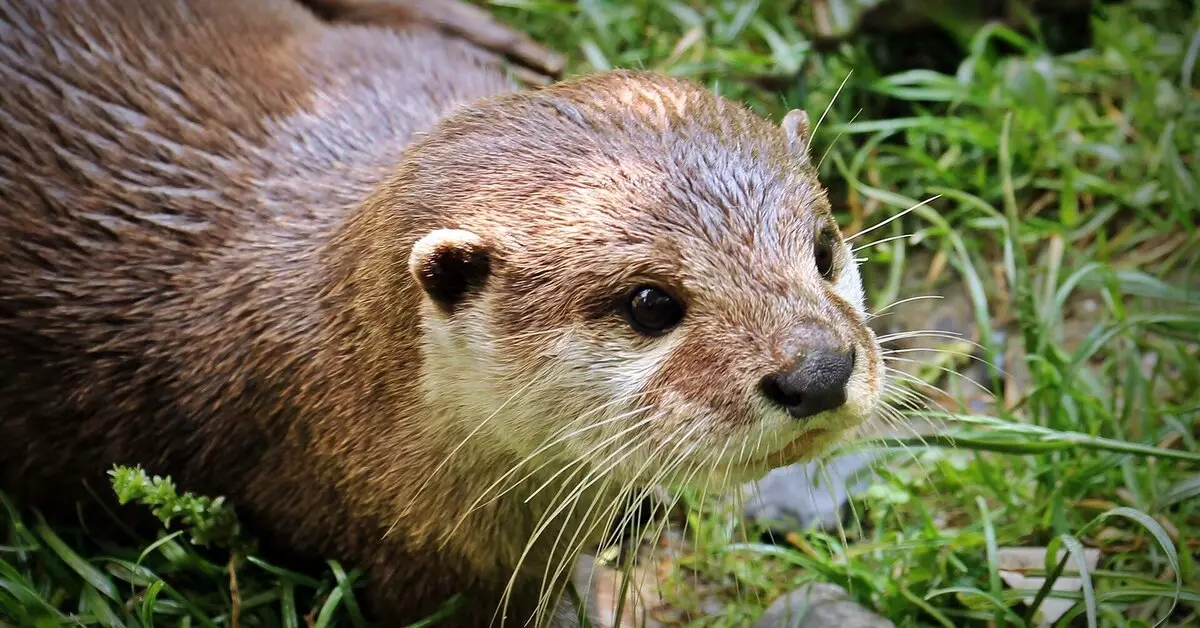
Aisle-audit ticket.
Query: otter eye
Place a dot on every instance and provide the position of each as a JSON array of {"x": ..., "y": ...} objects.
[
  {"x": 651, "y": 311},
  {"x": 823, "y": 253}
]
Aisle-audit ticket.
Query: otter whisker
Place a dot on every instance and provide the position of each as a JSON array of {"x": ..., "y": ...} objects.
[
  {"x": 896, "y": 419},
  {"x": 580, "y": 538},
  {"x": 580, "y": 419},
  {"x": 743, "y": 457},
  {"x": 546, "y": 446},
  {"x": 711, "y": 474},
  {"x": 712, "y": 462},
  {"x": 728, "y": 464},
  {"x": 734, "y": 495},
  {"x": 930, "y": 333},
  {"x": 602, "y": 443},
  {"x": 577, "y": 542},
  {"x": 911, "y": 400},
  {"x": 628, "y": 568},
  {"x": 894, "y": 217},
  {"x": 624, "y": 450},
  {"x": 947, "y": 371},
  {"x": 575, "y": 464},
  {"x": 897, "y": 388},
  {"x": 919, "y": 382},
  {"x": 740, "y": 522},
  {"x": 454, "y": 451},
  {"x": 921, "y": 333},
  {"x": 906, "y": 377},
  {"x": 612, "y": 537},
  {"x": 889, "y": 421},
  {"x": 828, "y": 107},
  {"x": 665, "y": 468},
  {"x": 723, "y": 488},
  {"x": 900, "y": 302},
  {"x": 586, "y": 482},
  {"x": 883, "y": 241},
  {"x": 962, "y": 354},
  {"x": 738, "y": 505},
  {"x": 823, "y": 472},
  {"x": 549, "y": 593},
  {"x": 908, "y": 450},
  {"x": 757, "y": 450},
  {"x": 545, "y": 519},
  {"x": 829, "y": 149},
  {"x": 650, "y": 459},
  {"x": 891, "y": 418},
  {"x": 858, "y": 522},
  {"x": 901, "y": 423}
]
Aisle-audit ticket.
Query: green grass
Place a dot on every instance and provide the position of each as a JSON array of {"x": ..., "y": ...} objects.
[
  {"x": 1067, "y": 207},
  {"x": 1060, "y": 180}
]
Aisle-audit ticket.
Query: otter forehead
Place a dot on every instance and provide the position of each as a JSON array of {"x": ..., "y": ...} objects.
[
  {"x": 610, "y": 136},
  {"x": 695, "y": 214},
  {"x": 641, "y": 174}
]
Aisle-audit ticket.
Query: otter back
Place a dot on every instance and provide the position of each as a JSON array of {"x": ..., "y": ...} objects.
[{"x": 160, "y": 160}]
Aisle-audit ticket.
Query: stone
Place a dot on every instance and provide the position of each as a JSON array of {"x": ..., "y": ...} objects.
[
  {"x": 803, "y": 496},
  {"x": 819, "y": 605}
]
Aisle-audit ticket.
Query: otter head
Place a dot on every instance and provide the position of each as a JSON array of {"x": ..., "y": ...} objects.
[{"x": 627, "y": 270}]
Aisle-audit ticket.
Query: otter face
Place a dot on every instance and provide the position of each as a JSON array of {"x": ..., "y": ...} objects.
[{"x": 643, "y": 276}]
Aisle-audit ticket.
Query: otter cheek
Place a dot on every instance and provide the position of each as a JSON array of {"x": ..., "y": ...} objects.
[
  {"x": 849, "y": 287},
  {"x": 865, "y": 385},
  {"x": 702, "y": 380},
  {"x": 449, "y": 264}
]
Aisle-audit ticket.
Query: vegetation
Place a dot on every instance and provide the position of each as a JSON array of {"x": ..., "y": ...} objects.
[{"x": 1064, "y": 213}]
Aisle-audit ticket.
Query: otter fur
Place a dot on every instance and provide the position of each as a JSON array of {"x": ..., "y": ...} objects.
[{"x": 352, "y": 278}]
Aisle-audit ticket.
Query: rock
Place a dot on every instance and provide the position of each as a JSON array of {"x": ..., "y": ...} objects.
[
  {"x": 601, "y": 586},
  {"x": 1015, "y": 562},
  {"x": 802, "y": 496},
  {"x": 819, "y": 605}
]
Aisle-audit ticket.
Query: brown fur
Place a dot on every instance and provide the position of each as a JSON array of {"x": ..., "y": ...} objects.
[{"x": 208, "y": 213}]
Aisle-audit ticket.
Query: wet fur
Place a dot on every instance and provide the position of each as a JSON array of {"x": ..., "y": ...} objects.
[
  {"x": 209, "y": 209},
  {"x": 173, "y": 175}
]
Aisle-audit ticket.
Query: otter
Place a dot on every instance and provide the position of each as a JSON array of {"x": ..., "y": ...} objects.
[{"x": 397, "y": 309}]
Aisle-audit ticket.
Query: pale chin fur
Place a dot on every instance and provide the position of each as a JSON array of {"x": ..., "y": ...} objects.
[{"x": 466, "y": 365}]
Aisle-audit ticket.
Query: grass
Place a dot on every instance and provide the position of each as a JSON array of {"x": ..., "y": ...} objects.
[{"x": 1066, "y": 218}]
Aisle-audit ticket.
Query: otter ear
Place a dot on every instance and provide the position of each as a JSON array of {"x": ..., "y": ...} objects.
[
  {"x": 795, "y": 127},
  {"x": 449, "y": 264}
]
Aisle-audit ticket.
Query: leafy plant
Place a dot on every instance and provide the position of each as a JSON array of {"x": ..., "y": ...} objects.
[{"x": 209, "y": 521}]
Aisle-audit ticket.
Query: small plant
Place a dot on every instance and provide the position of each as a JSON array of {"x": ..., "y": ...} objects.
[
  {"x": 208, "y": 520},
  {"x": 68, "y": 575}
]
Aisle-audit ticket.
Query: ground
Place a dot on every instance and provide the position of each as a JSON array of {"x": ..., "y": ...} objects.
[{"x": 1062, "y": 163}]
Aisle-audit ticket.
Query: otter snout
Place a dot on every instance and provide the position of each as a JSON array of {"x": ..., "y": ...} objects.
[{"x": 815, "y": 381}]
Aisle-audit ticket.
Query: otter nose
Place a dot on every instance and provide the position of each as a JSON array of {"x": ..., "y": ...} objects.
[{"x": 813, "y": 384}]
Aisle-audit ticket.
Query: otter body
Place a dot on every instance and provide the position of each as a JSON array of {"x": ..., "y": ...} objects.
[
  {"x": 349, "y": 277},
  {"x": 171, "y": 295}
]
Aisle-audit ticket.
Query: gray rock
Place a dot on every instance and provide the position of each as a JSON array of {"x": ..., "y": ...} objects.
[
  {"x": 820, "y": 605},
  {"x": 803, "y": 496}
]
